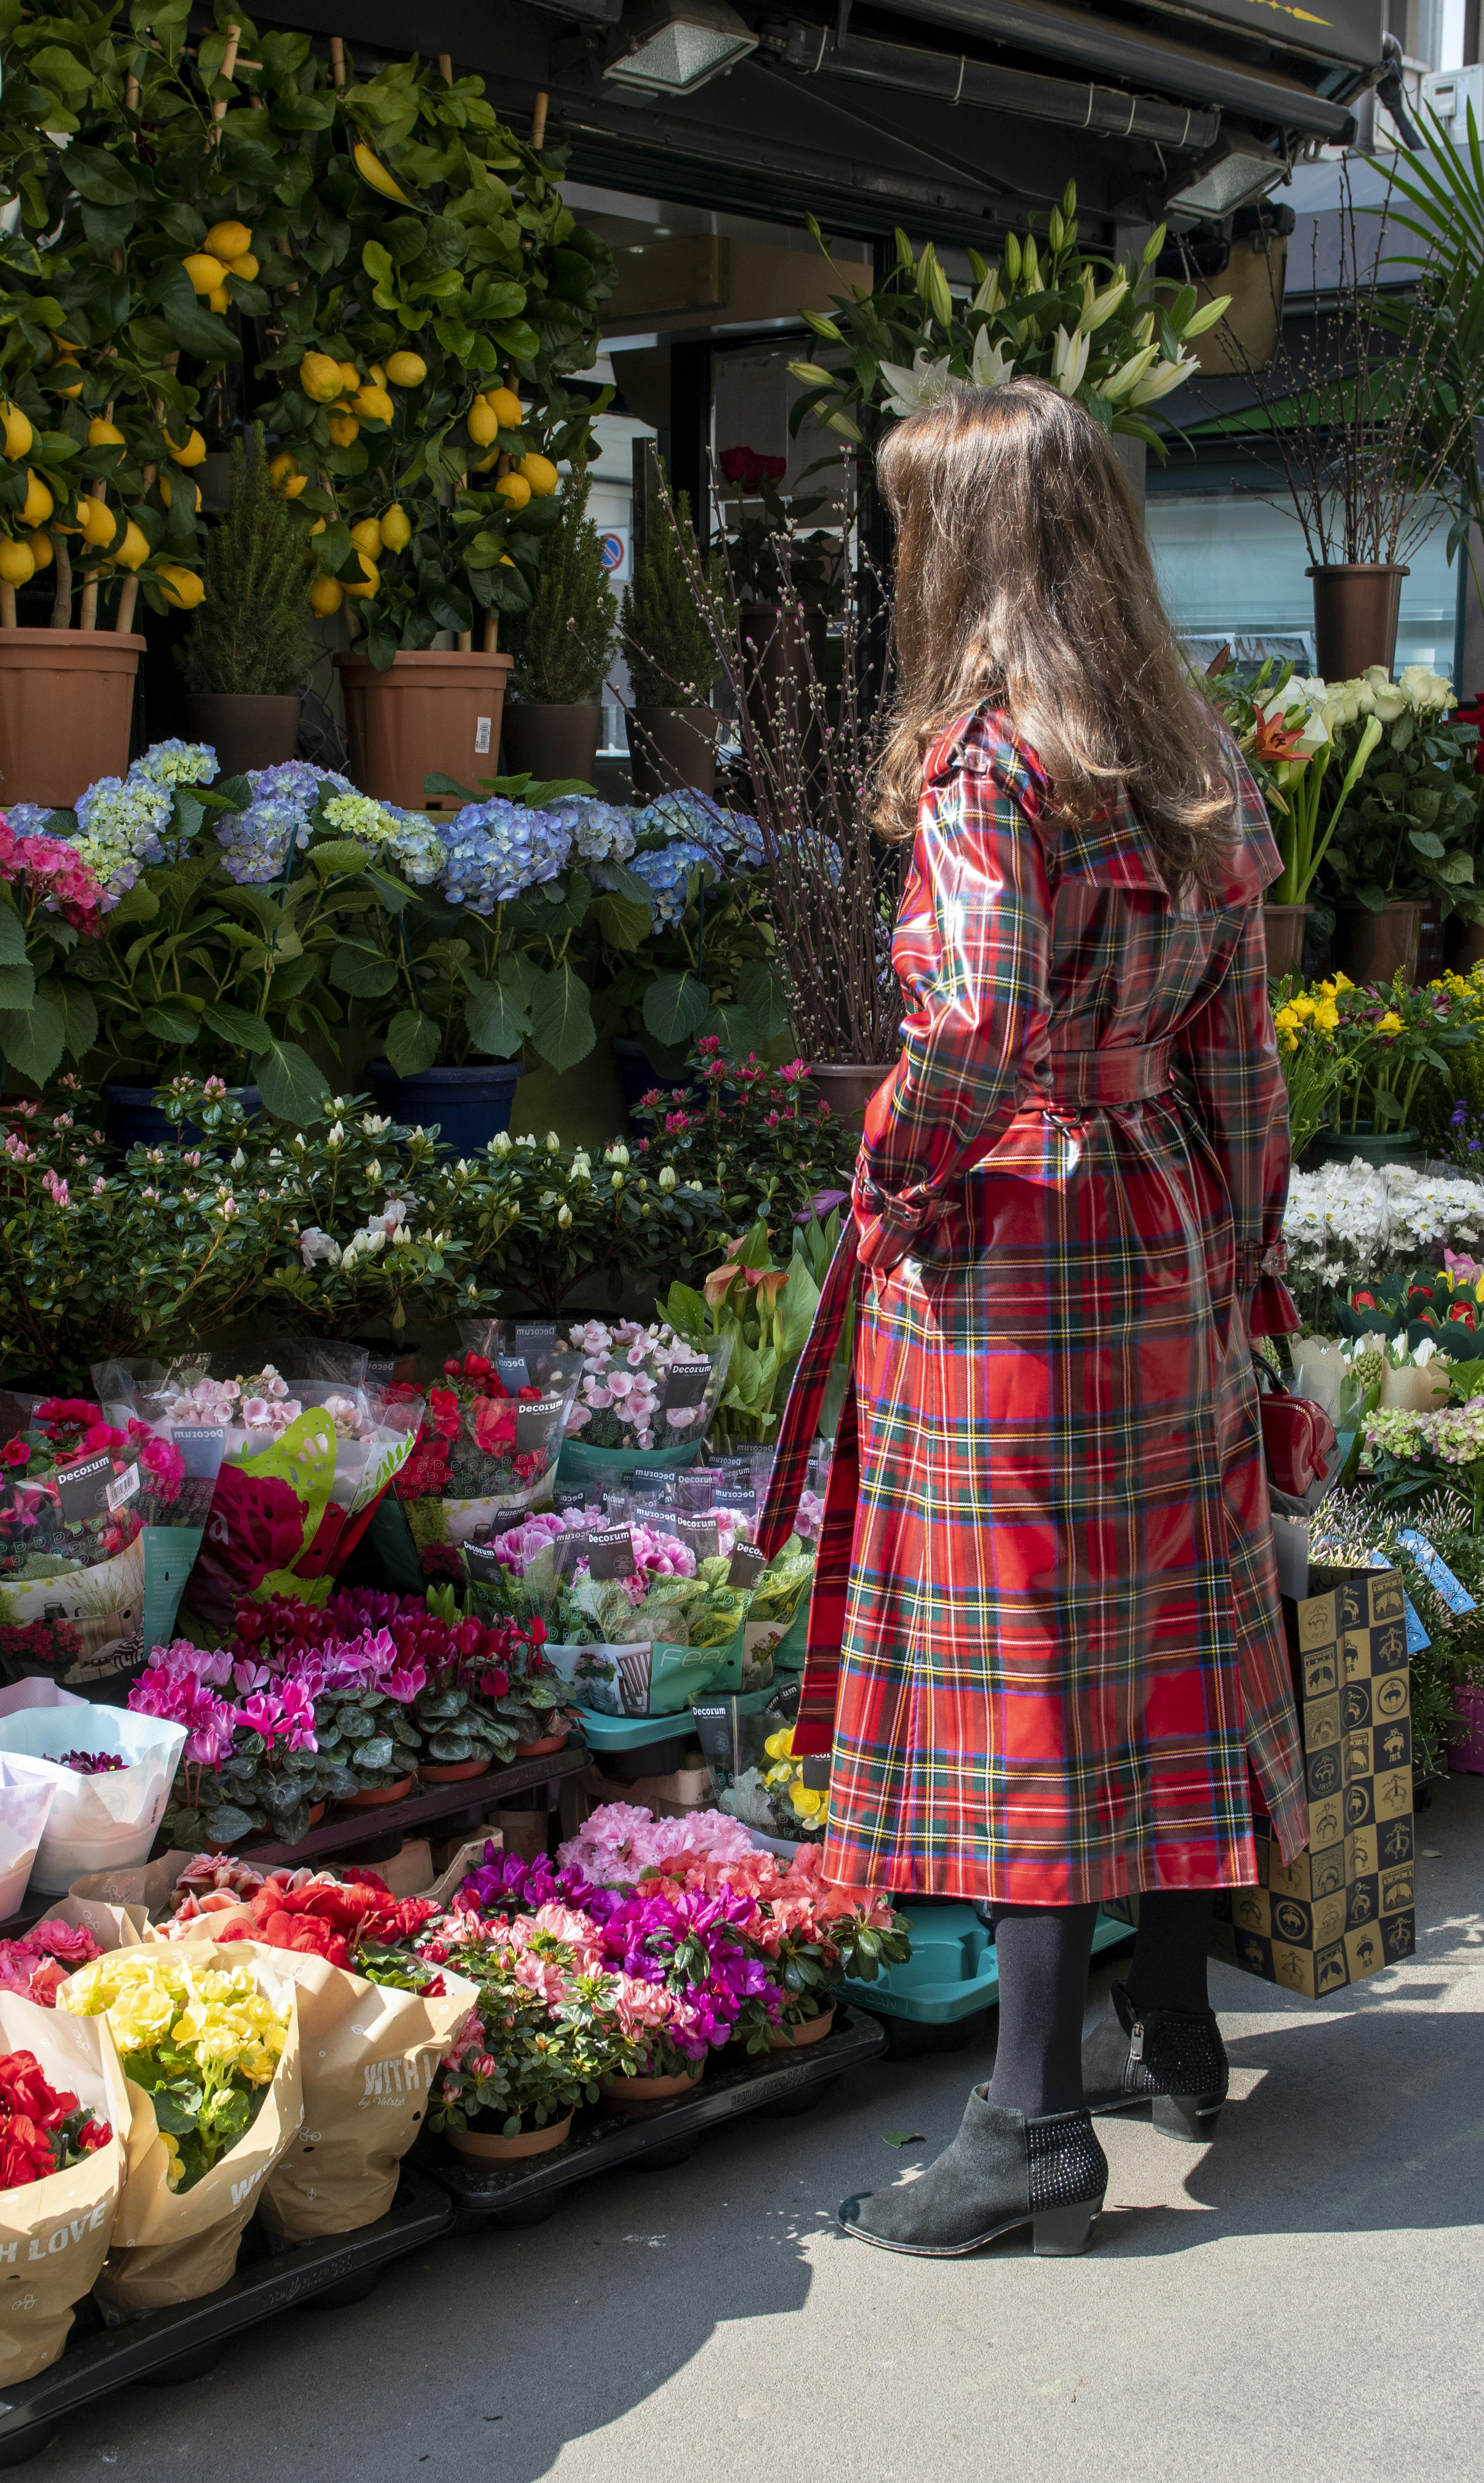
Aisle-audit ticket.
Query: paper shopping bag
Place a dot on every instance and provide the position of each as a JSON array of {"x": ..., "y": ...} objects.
[{"x": 54, "y": 2234}]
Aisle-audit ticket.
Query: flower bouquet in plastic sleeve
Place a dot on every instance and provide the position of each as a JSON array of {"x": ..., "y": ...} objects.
[
  {"x": 646, "y": 1397},
  {"x": 487, "y": 1451},
  {"x": 209, "y": 2042},
  {"x": 99, "y": 1513},
  {"x": 111, "y": 1775},
  {"x": 64, "y": 2110}
]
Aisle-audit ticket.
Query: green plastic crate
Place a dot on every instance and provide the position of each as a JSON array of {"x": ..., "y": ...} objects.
[{"x": 952, "y": 1969}]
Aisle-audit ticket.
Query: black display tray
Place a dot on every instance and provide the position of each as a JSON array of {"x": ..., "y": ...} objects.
[
  {"x": 166, "y": 2346},
  {"x": 777, "y": 2085}
]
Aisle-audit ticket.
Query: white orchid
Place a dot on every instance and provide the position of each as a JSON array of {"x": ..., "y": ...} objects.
[
  {"x": 989, "y": 364},
  {"x": 1069, "y": 360},
  {"x": 925, "y": 383}
]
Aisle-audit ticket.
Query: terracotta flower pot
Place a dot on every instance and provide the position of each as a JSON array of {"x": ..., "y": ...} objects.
[
  {"x": 813, "y": 2030},
  {"x": 847, "y": 1087},
  {"x": 245, "y": 731},
  {"x": 1372, "y": 948},
  {"x": 671, "y": 748},
  {"x": 486, "y": 2147},
  {"x": 552, "y": 741},
  {"x": 67, "y": 701},
  {"x": 377, "y": 1797},
  {"x": 1285, "y": 927},
  {"x": 1356, "y": 606},
  {"x": 542, "y": 1749},
  {"x": 630, "y": 2094},
  {"x": 427, "y": 715},
  {"x": 455, "y": 1771}
]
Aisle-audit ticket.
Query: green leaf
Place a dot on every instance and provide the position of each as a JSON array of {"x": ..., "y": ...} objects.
[
  {"x": 623, "y": 922},
  {"x": 237, "y": 1027},
  {"x": 411, "y": 1042},
  {"x": 761, "y": 994},
  {"x": 292, "y": 1088},
  {"x": 18, "y": 985},
  {"x": 674, "y": 1006},
  {"x": 198, "y": 331},
  {"x": 33, "y": 1040},
  {"x": 226, "y": 1824},
  {"x": 170, "y": 1022},
  {"x": 80, "y": 1017},
  {"x": 903, "y": 2137},
  {"x": 562, "y": 1026},
  {"x": 339, "y": 853},
  {"x": 375, "y": 1752},
  {"x": 13, "y": 932},
  {"x": 436, "y": 784},
  {"x": 362, "y": 971},
  {"x": 497, "y": 1017}
]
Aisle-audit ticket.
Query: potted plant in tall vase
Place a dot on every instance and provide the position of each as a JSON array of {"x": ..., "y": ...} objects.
[
  {"x": 669, "y": 639},
  {"x": 562, "y": 647},
  {"x": 110, "y": 339},
  {"x": 250, "y": 649},
  {"x": 423, "y": 419}
]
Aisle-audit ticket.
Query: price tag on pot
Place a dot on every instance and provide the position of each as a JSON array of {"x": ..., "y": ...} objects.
[
  {"x": 534, "y": 1422},
  {"x": 201, "y": 1445},
  {"x": 746, "y": 1565},
  {"x": 611, "y": 1552},
  {"x": 83, "y": 1490},
  {"x": 685, "y": 1384},
  {"x": 513, "y": 1372},
  {"x": 703, "y": 1534},
  {"x": 122, "y": 1488}
]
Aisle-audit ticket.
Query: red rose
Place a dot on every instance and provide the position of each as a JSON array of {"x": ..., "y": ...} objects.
[
  {"x": 16, "y": 1453},
  {"x": 1463, "y": 1312}
]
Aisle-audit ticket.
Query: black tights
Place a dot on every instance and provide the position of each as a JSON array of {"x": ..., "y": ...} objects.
[{"x": 1043, "y": 1954}]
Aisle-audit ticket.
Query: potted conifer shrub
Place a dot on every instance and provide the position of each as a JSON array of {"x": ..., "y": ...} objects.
[
  {"x": 562, "y": 649},
  {"x": 249, "y": 651},
  {"x": 671, "y": 656}
]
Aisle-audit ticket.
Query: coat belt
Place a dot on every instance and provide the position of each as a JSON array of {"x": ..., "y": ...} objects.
[{"x": 1124, "y": 1074}]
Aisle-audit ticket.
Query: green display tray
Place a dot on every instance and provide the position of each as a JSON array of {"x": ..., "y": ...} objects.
[{"x": 952, "y": 1969}]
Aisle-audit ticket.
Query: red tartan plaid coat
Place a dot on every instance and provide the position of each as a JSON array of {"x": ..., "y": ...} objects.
[{"x": 1045, "y": 1639}]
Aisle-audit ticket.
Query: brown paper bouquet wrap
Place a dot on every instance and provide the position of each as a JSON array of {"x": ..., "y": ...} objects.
[
  {"x": 170, "y": 2247},
  {"x": 54, "y": 2234},
  {"x": 369, "y": 2055}
]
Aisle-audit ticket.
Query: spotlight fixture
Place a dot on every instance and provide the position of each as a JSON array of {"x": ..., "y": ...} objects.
[
  {"x": 673, "y": 46},
  {"x": 1237, "y": 175}
]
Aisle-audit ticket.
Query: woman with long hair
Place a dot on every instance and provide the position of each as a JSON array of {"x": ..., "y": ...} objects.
[{"x": 1046, "y": 1644}]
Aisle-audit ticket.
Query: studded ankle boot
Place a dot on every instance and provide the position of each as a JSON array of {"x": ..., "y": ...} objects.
[
  {"x": 1157, "y": 2056},
  {"x": 1001, "y": 2171}
]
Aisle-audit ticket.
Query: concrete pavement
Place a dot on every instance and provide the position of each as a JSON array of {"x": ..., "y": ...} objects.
[{"x": 1300, "y": 2300}]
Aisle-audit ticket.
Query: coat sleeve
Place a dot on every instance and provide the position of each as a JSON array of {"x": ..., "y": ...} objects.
[
  {"x": 973, "y": 950},
  {"x": 1229, "y": 1053}
]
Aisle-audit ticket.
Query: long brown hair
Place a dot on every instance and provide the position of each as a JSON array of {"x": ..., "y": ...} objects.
[{"x": 1023, "y": 576}]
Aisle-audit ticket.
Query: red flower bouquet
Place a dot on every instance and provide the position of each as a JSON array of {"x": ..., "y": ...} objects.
[
  {"x": 483, "y": 1454},
  {"x": 38, "y": 1965},
  {"x": 43, "y": 2129}
]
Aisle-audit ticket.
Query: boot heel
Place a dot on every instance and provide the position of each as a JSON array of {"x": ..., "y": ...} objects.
[
  {"x": 1064, "y": 2232},
  {"x": 1192, "y": 2117}
]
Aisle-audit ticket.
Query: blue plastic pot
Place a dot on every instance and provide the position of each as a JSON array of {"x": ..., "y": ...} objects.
[
  {"x": 136, "y": 1119},
  {"x": 637, "y": 1074},
  {"x": 471, "y": 1106}
]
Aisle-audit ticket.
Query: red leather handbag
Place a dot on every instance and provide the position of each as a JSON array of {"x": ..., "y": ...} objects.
[{"x": 1298, "y": 1440}]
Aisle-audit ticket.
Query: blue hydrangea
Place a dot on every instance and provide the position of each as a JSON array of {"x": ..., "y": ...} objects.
[
  {"x": 599, "y": 831},
  {"x": 295, "y": 779},
  {"x": 254, "y": 845},
  {"x": 177, "y": 763},
  {"x": 730, "y": 836},
  {"x": 121, "y": 821},
  {"x": 496, "y": 850},
  {"x": 666, "y": 875},
  {"x": 28, "y": 818},
  {"x": 407, "y": 837}
]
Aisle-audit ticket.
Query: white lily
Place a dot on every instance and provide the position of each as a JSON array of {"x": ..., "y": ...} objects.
[
  {"x": 989, "y": 364},
  {"x": 1099, "y": 306},
  {"x": 925, "y": 383},
  {"x": 1128, "y": 375},
  {"x": 1069, "y": 360},
  {"x": 1164, "y": 377},
  {"x": 990, "y": 294}
]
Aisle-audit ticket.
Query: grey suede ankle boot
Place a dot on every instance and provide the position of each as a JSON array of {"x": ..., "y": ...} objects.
[
  {"x": 1162, "y": 2057},
  {"x": 1001, "y": 2171}
]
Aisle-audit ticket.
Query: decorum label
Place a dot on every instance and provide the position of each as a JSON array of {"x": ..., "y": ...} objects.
[
  {"x": 685, "y": 1383},
  {"x": 611, "y": 1552},
  {"x": 532, "y": 1424},
  {"x": 83, "y": 1490}
]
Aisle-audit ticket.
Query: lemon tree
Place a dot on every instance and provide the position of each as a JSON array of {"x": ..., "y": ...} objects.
[{"x": 424, "y": 413}]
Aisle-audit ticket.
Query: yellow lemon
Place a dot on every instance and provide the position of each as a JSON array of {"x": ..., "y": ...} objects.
[
  {"x": 219, "y": 300},
  {"x": 541, "y": 475},
  {"x": 165, "y": 492},
  {"x": 38, "y": 506},
  {"x": 506, "y": 407},
  {"x": 41, "y": 549},
  {"x": 350, "y": 378},
  {"x": 343, "y": 429},
  {"x": 366, "y": 536},
  {"x": 18, "y": 434},
  {"x": 326, "y": 596},
  {"x": 104, "y": 435},
  {"x": 180, "y": 587},
  {"x": 229, "y": 240},
  {"x": 406, "y": 370},
  {"x": 374, "y": 405},
  {"x": 99, "y": 524},
  {"x": 319, "y": 377},
  {"x": 371, "y": 169},
  {"x": 378, "y": 376},
  {"x": 396, "y": 529},
  {"x": 191, "y": 453},
  {"x": 18, "y": 563},
  {"x": 483, "y": 425},
  {"x": 371, "y": 578},
  {"x": 204, "y": 270},
  {"x": 513, "y": 488},
  {"x": 134, "y": 551},
  {"x": 245, "y": 266},
  {"x": 487, "y": 465},
  {"x": 317, "y": 528}
]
